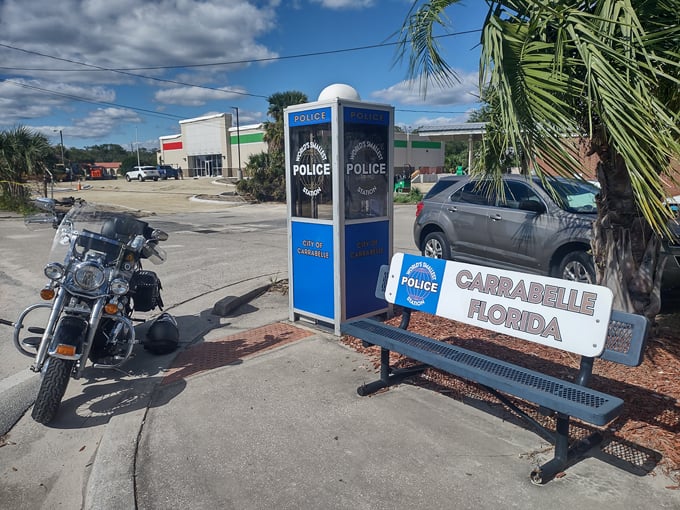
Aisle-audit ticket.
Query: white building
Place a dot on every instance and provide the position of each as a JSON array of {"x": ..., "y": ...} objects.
[{"x": 210, "y": 146}]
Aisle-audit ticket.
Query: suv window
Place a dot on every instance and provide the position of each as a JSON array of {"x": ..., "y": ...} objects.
[
  {"x": 516, "y": 193},
  {"x": 473, "y": 193},
  {"x": 573, "y": 196},
  {"x": 440, "y": 186}
]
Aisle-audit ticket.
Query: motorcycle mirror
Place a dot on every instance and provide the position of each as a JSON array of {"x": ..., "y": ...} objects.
[
  {"x": 154, "y": 254},
  {"x": 137, "y": 243},
  {"x": 159, "y": 235},
  {"x": 46, "y": 204},
  {"x": 40, "y": 221}
]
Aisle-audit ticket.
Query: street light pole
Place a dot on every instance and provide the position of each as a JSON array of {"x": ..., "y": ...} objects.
[
  {"x": 63, "y": 164},
  {"x": 239, "y": 173},
  {"x": 61, "y": 139}
]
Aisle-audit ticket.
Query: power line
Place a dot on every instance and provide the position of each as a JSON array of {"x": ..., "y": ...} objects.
[
  {"x": 101, "y": 68},
  {"x": 212, "y": 64},
  {"x": 92, "y": 101},
  {"x": 127, "y": 71}
]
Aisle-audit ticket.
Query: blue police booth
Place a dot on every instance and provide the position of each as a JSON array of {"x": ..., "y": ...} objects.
[{"x": 339, "y": 174}]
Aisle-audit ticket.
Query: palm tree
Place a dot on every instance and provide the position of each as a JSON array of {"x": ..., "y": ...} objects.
[
  {"x": 267, "y": 171},
  {"x": 278, "y": 102},
  {"x": 599, "y": 76},
  {"x": 23, "y": 153}
]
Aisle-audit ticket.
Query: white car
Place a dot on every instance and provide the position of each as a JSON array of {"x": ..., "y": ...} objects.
[{"x": 142, "y": 173}]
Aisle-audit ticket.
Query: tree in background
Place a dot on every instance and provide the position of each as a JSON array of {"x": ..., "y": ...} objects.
[
  {"x": 266, "y": 171},
  {"x": 99, "y": 153},
  {"x": 23, "y": 154},
  {"x": 607, "y": 72}
]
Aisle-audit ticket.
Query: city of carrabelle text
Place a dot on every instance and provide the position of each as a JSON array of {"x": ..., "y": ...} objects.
[
  {"x": 366, "y": 248},
  {"x": 312, "y": 249}
]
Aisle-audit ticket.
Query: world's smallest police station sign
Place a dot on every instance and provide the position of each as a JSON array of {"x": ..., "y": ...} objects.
[{"x": 569, "y": 315}]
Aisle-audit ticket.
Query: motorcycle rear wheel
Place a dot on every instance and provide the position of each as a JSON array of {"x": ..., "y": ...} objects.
[{"x": 52, "y": 389}]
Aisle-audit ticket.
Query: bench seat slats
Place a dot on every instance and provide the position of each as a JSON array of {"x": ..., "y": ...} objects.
[{"x": 565, "y": 397}]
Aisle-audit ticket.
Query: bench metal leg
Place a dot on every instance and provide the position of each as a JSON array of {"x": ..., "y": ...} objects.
[
  {"x": 388, "y": 375},
  {"x": 564, "y": 456}
]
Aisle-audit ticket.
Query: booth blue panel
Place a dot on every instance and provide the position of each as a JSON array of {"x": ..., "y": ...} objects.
[
  {"x": 312, "y": 283},
  {"x": 366, "y": 249}
]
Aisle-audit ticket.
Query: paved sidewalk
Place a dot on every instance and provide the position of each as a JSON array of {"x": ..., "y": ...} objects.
[{"x": 264, "y": 414}]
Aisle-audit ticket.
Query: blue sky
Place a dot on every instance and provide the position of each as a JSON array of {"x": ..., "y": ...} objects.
[{"x": 179, "y": 59}]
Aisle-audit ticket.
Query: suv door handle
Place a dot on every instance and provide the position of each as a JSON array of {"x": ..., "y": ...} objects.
[
  {"x": 452, "y": 208},
  {"x": 495, "y": 217}
]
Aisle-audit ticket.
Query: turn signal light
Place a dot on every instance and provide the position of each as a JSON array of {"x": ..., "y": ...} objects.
[
  {"x": 111, "y": 308},
  {"x": 65, "y": 350},
  {"x": 47, "y": 294}
]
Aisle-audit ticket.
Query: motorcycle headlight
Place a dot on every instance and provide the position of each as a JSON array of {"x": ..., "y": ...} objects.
[
  {"x": 89, "y": 276},
  {"x": 119, "y": 286},
  {"x": 54, "y": 271}
]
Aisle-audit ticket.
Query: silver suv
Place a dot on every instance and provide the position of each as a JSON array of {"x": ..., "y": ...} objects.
[{"x": 529, "y": 229}]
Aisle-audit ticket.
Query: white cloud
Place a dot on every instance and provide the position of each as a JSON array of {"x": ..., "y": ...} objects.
[
  {"x": 123, "y": 35},
  {"x": 129, "y": 33},
  {"x": 345, "y": 4},
  {"x": 28, "y": 99},
  {"x": 100, "y": 122},
  {"x": 193, "y": 96},
  {"x": 408, "y": 92}
]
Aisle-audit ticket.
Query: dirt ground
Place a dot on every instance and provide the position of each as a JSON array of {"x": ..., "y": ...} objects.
[{"x": 160, "y": 197}]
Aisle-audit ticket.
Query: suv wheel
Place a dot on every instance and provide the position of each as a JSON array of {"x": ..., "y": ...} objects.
[
  {"x": 127, "y": 178},
  {"x": 140, "y": 178},
  {"x": 435, "y": 246},
  {"x": 577, "y": 266}
]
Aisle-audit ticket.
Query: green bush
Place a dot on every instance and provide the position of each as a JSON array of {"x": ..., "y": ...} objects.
[{"x": 408, "y": 198}]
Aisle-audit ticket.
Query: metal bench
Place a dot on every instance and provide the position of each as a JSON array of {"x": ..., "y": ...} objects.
[{"x": 615, "y": 336}]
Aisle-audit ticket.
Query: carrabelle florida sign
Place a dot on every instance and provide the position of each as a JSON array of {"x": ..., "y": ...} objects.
[{"x": 570, "y": 315}]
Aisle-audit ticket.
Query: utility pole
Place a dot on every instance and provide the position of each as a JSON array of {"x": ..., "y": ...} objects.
[
  {"x": 61, "y": 139},
  {"x": 239, "y": 173},
  {"x": 137, "y": 144}
]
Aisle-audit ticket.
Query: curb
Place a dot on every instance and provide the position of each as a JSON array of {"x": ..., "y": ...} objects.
[
  {"x": 17, "y": 393},
  {"x": 230, "y": 303}
]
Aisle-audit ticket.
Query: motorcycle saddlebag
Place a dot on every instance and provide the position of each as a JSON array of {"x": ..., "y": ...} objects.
[{"x": 145, "y": 289}]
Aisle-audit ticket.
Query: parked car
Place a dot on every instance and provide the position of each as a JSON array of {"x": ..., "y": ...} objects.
[
  {"x": 167, "y": 172},
  {"x": 529, "y": 229},
  {"x": 142, "y": 173}
]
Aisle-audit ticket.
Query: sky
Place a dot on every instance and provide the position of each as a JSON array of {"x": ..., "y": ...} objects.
[{"x": 126, "y": 72}]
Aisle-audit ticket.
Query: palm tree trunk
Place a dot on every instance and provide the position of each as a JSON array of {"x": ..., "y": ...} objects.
[{"x": 626, "y": 250}]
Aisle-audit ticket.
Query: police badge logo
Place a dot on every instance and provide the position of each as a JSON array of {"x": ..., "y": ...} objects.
[{"x": 420, "y": 280}]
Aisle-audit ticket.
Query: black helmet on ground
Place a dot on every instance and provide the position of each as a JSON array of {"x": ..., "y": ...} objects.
[{"x": 163, "y": 335}]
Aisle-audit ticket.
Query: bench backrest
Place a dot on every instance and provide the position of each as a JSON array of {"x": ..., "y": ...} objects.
[{"x": 567, "y": 315}]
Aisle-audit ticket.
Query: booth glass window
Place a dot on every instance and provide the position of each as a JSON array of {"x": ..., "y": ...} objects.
[
  {"x": 310, "y": 171},
  {"x": 367, "y": 163}
]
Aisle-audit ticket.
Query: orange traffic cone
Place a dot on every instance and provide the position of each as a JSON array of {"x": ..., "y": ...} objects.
[{"x": 79, "y": 186}]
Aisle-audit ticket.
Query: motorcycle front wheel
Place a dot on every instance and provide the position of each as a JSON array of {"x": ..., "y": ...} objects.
[{"x": 52, "y": 389}]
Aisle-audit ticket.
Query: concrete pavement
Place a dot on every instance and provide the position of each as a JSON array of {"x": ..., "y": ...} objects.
[{"x": 252, "y": 418}]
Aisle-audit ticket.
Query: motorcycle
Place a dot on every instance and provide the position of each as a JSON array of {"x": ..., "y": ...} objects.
[{"x": 95, "y": 283}]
